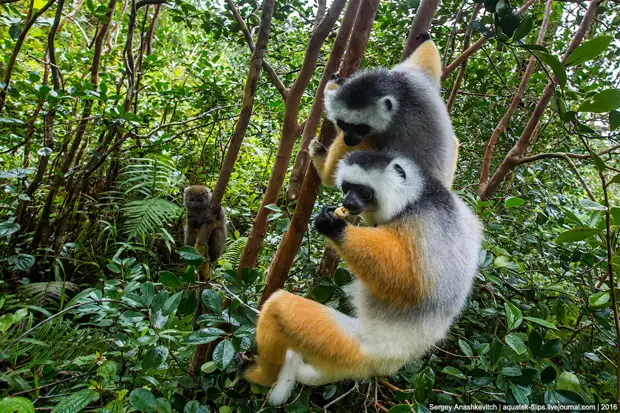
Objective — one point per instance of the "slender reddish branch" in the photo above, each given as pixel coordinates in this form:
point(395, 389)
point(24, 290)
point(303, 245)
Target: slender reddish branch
point(288, 134)
point(283, 260)
point(421, 24)
point(248, 38)
point(514, 104)
point(475, 47)
point(519, 148)
point(463, 68)
point(18, 45)
point(302, 159)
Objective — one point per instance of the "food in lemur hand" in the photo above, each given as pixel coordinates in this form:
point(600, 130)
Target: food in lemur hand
point(341, 212)
point(398, 110)
point(197, 200)
point(414, 269)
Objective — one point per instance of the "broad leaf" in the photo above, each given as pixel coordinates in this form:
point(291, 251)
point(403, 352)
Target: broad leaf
point(452, 371)
point(541, 322)
point(223, 354)
point(212, 300)
point(556, 66)
point(515, 343)
point(142, 400)
point(204, 335)
point(551, 348)
point(76, 401)
point(8, 228)
point(604, 101)
point(16, 405)
point(614, 120)
point(568, 381)
point(514, 316)
point(576, 234)
point(155, 358)
point(589, 50)
point(169, 279)
point(523, 28)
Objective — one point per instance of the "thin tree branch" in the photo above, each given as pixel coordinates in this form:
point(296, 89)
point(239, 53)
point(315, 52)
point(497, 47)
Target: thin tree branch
point(514, 104)
point(273, 76)
point(475, 47)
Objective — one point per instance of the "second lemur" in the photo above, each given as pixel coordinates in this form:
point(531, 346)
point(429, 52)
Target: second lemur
point(197, 200)
point(398, 110)
point(414, 271)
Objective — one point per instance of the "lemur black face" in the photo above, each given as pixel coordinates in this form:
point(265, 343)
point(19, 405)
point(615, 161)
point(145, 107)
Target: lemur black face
point(357, 198)
point(353, 134)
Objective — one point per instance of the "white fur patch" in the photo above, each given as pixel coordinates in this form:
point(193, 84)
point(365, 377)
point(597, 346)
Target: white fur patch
point(393, 193)
point(281, 391)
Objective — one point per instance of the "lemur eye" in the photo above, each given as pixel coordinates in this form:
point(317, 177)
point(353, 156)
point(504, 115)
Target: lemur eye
point(200, 199)
point(388, 104)
point(366, 194)
point(191, 198)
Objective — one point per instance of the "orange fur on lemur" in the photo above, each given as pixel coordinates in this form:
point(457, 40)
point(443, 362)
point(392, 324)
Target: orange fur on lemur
point(388, 117)
point(414, 270)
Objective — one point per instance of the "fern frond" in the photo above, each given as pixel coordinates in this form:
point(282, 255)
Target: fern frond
point(146, 216)
point(234, 249)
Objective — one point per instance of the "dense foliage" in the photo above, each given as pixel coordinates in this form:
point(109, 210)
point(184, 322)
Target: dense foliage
point(137, 99)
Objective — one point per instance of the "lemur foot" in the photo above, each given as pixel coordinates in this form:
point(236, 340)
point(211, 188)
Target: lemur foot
point(423, 36)
point(243, 363)
point(317, 148)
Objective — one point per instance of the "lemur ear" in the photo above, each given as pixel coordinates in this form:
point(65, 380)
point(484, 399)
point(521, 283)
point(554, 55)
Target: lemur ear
point(426, 57)
point(400, 171)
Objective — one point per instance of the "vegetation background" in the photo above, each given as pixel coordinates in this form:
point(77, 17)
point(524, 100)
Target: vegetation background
point(108, 109)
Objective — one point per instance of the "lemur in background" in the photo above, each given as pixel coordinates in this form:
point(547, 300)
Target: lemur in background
point(414, 272)
point(197, 200)
point(398, 110)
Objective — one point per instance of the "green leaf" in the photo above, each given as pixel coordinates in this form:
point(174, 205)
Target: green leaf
point(556, 66)
point(519, 393)
point(190, 255)
point(171, 304)
point(589, 50)
point(163, 406)
point(599, 300)
point(548, 374)
point(16, 405)
point(155, 358)
point(591, 205)
point(496, 351)
point(400, 408)
point(76, 402)
point(523, 28)
point(169, 279)
point(21, 262)
point(568, 381)
point(223, 354)
point(142, 400)
point(11, 121)
point(208, 367)
point(512, 371)
point(322, 293)
point(8, 228)
point(212, 300)
point(510, 22)
point(541, 322)
point(452, 371)
point(513, 201)
point(515, 343)
point(614, 180)
point(575, 235)
point(551, 348)
point(465, 348)
point(225, 409)
point(614, 120)
point(514, 316)
point(598, 162)
point(424, 384)
point(604, 101)
point(204, 335)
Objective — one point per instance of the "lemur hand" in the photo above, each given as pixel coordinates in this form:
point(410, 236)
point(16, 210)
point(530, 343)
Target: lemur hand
point(329, 224)
point(316, 148)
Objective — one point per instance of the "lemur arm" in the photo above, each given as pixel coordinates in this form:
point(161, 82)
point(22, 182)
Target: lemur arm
point(385, 260)
point(455, 162)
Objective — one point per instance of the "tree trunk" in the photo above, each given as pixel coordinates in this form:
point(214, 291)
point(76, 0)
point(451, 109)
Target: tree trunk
point(288, 134)
point(202, 351)
point(292, 239)
point(421, 24)
point(302, 160)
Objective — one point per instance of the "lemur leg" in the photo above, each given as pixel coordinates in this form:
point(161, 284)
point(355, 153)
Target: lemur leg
point(326, 165)
point(286, 378)
point(190, 236)
point(318, 154)
point(311, 330)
